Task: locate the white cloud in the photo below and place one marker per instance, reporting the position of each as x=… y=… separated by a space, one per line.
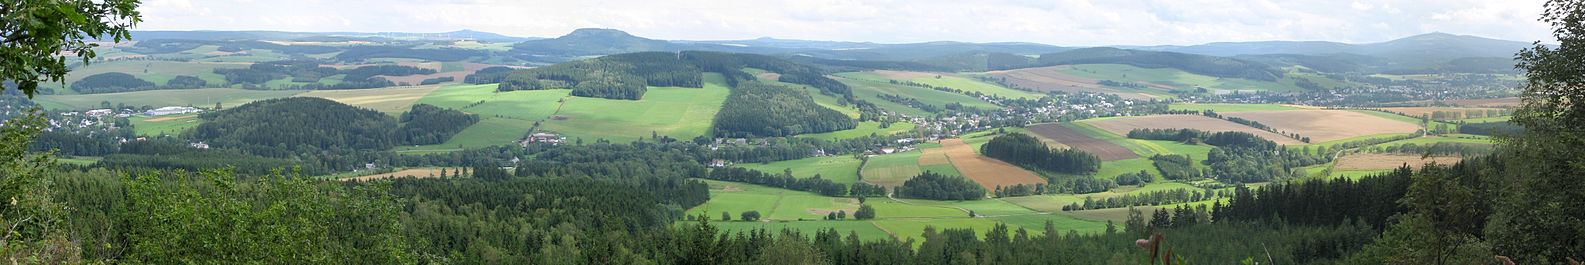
x=1058 y=22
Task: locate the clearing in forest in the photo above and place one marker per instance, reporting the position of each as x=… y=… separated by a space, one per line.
x=986 y=171
x=1107 y=151
x=1327 y=125
x=416 y=173
x=1389 y=161
x=1181 y=121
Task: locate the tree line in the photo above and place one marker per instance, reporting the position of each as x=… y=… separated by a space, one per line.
x=1028 y=152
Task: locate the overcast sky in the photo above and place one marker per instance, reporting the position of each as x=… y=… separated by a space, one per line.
x=1057 y=22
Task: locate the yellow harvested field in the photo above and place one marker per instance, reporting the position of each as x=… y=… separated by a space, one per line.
x=416 y=173
x=986 y=171
x=1389 y=161
x=1326 y=125
x=1198 y=122
x=933 y=156
x=388 y=100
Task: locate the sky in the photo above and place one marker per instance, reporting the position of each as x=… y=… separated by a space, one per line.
x=1056 y=22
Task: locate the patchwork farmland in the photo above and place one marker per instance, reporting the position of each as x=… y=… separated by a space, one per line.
x=988 y=172
x=1046 y=79
x=1122 y=126
x=1107 y=151
x=1327 y=125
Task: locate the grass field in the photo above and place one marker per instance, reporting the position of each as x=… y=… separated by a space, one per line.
x=864 y=129
x=681 y=113
x=772 y=203
x=167 y=125
x=954 y=82
x=867 y=87
x=1175 y=78
x=866 y=230
x=79 y=160
x=458 y=96
x=1044 y=203
x=986 y=207
x=489 y=131
x=839 y=169
x=892 y=169
x=1223 y=108
x=1116 y=215
x=144 y=69
x=204 y=97
x=1036 y=223
x=914 y=229
x=886 y=208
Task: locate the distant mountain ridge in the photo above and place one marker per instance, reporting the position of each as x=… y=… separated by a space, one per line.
x=1425 y=53
x=1429 y=44
x=291 y=36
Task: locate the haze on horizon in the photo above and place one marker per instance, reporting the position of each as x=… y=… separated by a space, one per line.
x=1060 y=22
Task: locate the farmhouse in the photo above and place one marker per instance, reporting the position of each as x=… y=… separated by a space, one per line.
x=543 y=138
x=98 y=112
x=170 y=110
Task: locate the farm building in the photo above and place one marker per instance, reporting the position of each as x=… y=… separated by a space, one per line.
x=170 y=110
x=543 y=138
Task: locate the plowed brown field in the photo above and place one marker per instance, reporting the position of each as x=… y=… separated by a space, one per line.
x=1107 y=151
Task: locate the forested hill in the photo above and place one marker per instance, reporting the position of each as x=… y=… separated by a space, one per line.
x=1193 y=63
x=625 y=76
x=278 y=127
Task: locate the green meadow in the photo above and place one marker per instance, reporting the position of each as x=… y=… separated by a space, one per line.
x=865 y=229
x=970 y=85
x=772 y=203
x=892 y=169
x=839 y=169
x=1178 y=78
x=203 y=97
x=678 y=112
x=173 y=127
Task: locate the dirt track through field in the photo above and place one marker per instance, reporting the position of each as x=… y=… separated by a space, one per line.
x=1107 y=151
x=988 y=172
x=1198 y=122
x=1048 y=79
x=1326 y=125
x=1389 y=161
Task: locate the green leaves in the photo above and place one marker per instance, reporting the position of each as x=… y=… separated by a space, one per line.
x=40 y=30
